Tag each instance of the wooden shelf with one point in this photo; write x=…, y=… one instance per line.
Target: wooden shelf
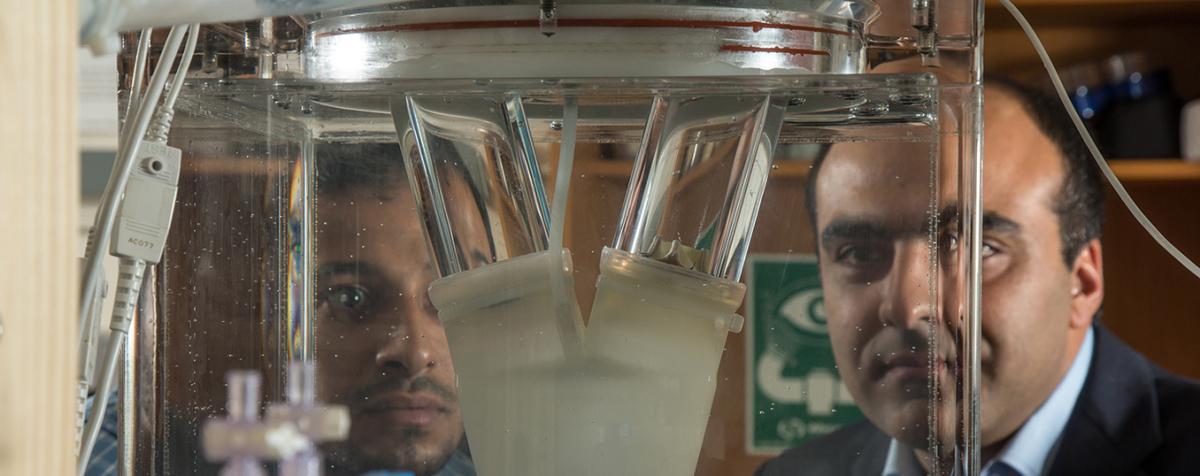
x=1092, y=3
x=1156, y=170
x=1087, y=31
x=1094, y=12
x=1133, y=170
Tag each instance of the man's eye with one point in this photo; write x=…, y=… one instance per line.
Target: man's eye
x=349, y=298
x=862, y=254
x=952, y=245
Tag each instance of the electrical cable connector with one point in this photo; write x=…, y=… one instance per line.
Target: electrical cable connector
x=146, y=210
x=143, y=220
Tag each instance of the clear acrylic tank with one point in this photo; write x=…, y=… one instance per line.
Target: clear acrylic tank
x=376, y=192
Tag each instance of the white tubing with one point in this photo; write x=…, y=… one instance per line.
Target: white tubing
x=1091, y=145
x=566, y=310
x=562, y=180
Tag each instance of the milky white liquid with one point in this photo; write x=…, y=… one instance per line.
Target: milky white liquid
x=668, y=347
x=634, y=402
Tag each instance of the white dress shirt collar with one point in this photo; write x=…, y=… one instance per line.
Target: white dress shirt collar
x=1028, y=452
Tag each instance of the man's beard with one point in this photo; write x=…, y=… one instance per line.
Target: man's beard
x=345, y=459
x=409, y=448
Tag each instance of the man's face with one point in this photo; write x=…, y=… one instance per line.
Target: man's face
x=884, y=301
x=381, y=348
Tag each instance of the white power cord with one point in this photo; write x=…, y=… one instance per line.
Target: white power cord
x=1091, y=145
x=161, y=125
x=128, y=287
x=131, y=142
x=91, y=310
x=87, y=359
x=147, y=198
x=181, y=71
x=139, y=240
x=139, y=65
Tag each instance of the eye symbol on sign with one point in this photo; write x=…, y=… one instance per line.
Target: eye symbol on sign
x=806, y=311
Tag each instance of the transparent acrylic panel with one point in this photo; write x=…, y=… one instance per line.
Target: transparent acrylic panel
x=298, y=236
x=230, y=291
x=481, y=143
x=941, y=37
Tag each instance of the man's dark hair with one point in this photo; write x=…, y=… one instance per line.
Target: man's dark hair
x=1080, y=201
x=342, y=167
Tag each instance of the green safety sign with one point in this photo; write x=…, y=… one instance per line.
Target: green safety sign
x=793, y=390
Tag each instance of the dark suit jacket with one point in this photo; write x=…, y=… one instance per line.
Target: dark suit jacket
x=1131, y=418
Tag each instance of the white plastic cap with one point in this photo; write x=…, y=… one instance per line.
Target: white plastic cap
x=1190, y=130
x=223, y=440
x=318, y=423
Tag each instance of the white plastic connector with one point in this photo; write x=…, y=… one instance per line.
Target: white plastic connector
x=1190, y=130
x=319, y=423
x=224, y=440
x=145, y=215
x=241, y=440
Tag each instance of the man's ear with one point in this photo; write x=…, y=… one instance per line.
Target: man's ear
x=1087, y=285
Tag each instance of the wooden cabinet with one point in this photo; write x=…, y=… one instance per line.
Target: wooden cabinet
x=1077, y=31
x=1150, y=300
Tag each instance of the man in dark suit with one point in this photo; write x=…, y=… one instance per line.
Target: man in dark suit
x=1060, y=394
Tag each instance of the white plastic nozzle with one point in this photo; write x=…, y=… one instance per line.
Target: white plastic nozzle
x=318, y=423
x=241, y=435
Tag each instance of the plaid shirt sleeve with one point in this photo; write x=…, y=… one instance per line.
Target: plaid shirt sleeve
x=104, y=456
